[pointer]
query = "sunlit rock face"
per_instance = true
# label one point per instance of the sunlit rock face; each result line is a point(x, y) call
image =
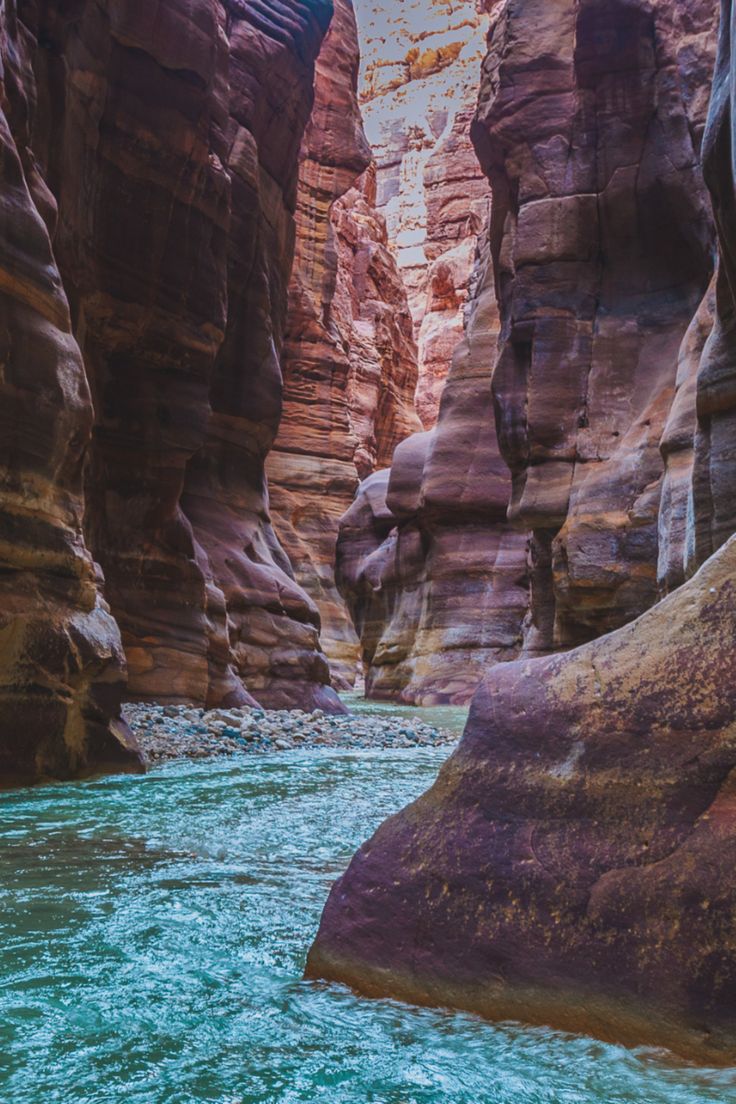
point(419, 86)
point(574, 862)
point(349, 358)
point(152, 167)
point(589, 126)
point(435, 578)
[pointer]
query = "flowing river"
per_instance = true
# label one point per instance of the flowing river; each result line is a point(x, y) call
point(153, 933)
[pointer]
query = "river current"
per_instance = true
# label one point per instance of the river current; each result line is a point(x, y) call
point(153, 933)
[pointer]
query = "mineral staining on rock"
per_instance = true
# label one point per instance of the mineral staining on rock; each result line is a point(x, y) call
point(151, 169)
point(573, 863)
point(419, 86)
point(61, 659)
point(349, 358)
point(589, 127)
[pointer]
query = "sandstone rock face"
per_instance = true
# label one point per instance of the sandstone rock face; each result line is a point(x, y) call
point(349, 360)
point(272, 626)
point(61, 661)
point(712, 513)
point(152, 163)
point(573, 864)
point(589, 127)
point(421, 61)
point(676, 519)
point(434, 577)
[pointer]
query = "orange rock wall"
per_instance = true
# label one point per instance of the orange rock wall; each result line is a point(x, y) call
point(421, 64)
point(349, 358)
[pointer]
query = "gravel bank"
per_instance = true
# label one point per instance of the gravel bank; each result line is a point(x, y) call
point(184, 732)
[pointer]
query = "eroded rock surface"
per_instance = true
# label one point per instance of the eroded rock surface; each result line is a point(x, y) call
point(349, 358)
point(574, 862)
point(61, 661)
point(421, 61)
point(589, 127)
point(152, 160)
point(435, 578)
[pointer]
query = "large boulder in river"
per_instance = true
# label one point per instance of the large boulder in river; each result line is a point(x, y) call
point(574, 862)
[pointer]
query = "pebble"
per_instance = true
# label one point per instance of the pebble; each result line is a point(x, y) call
point(167, 732)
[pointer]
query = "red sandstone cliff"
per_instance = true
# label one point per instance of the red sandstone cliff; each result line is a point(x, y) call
point(349, 361)
point(150, 178)
point(574, 862)
point(601, 237)
point(433, 575)
point(419, 87)
point(61, 659)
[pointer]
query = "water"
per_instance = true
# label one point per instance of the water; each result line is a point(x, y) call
point(451, 717)
point(152, 938)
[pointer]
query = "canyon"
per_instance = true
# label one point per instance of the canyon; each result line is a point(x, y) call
point(396, 342)
point(150, 180)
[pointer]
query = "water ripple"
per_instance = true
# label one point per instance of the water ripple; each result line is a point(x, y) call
point(153, 934)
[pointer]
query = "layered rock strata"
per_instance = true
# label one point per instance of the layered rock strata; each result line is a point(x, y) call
point(152, 164)
point(421, 61)
point(435, 579)
point(574, 862)
point(61, 660)
point(272, 626)
point(349, 360)
point(589, 127)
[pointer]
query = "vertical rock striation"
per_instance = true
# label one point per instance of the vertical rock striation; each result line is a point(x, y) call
point(418, 92)
point(574, 862)
point(272, 626)
point(434, 577)
point(349, 361)
point(589, 128)
point(150, 173)
point(131, 132)
point(61, 661)
point(712, 507)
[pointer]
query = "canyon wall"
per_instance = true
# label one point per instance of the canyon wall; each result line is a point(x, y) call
point(573, 864)
point(600, 259)
point(152, 163)
point(61, 660)
point(434, 577)
point(418, 92)
point(601, 236)
point(349, 360)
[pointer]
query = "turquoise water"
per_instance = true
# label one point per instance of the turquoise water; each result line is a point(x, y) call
point(153, 935)
point(450, 717)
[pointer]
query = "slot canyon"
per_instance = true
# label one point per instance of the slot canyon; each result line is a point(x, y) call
point(368, 384)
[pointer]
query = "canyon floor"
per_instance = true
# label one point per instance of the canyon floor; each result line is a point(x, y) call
point(169, 732)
